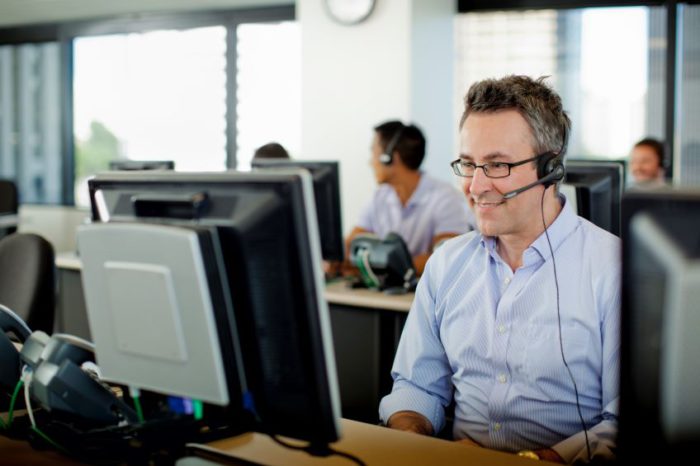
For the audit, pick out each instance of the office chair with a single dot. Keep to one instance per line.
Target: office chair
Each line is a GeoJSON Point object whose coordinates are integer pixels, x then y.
{"type": "Point", "coordinates": [8, 205]}
{"type": "Point", "coordinates": [27, 284]}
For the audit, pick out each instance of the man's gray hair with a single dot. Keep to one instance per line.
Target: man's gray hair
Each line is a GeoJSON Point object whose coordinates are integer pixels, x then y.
{"type": "Point", "coordinates": [535, 100]}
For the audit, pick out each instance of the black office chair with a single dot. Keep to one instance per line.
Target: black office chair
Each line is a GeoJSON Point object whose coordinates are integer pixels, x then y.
{"type": "Point", "coordinates": [8, 205]}
{"type": "Point", "coordinates": [27, 283]}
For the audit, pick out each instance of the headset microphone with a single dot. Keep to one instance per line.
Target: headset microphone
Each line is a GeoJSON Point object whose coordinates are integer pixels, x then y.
{"type": "Point", "coordinates": [556, 175]}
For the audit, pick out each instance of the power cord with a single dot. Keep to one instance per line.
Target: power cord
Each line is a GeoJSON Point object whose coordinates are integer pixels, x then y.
{"type": "Point", "coordinates": [318, 450]}
{"type": "Point", "coordinates": [7, 424]}
{"type": "Point", "coordinates": [27, 375]}
{"type": "Point", "coordinates": [561, 344]}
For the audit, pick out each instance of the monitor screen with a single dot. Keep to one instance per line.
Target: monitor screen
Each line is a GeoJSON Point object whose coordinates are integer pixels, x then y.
{"type": "Point", "coordinates": [134, 165]}
{"type": "Point", "coordinates": [599, 186]}
{"type": "Point", "coordinates": [327, 196]}
{"type": "Point", "coordinates": [268, 241]}
{"type": "Point", "coordinates": [660, 367]}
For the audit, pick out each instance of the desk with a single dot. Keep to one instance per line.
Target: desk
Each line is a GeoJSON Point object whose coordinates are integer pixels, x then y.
{"type": "Point", "coordinates": [20, 452]}
{"type": "Point", "coordinates": [376, 446]}
{"type": "Point", "coordinates": [366, 327]}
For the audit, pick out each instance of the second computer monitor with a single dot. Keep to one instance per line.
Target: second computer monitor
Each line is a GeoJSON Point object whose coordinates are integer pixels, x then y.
{"type": "Point", "coordinates": [139, 165]}
{"type": "Point", "coordinates": [327, 196]}
{"type": "Point", "coordinates": [660, 351]}
{"type": "Point", "coordinates": [599, 186]}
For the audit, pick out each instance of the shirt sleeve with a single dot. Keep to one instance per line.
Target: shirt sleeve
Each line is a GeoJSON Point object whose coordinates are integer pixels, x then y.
{"type": "Point", "coordinates": [366, 220]}
{"type": "Point", "coordinates": [421, 371]}
{"type": "Point", "coordinates": [452, 213]}
{"type": "Point", "coordinates": [602, 436]}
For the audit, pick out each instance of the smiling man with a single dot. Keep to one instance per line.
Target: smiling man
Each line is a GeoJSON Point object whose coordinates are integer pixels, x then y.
{"type": "Point", "coordinates": [518, 324]}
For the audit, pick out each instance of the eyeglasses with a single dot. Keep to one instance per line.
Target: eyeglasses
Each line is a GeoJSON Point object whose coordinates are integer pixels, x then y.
{"type": "Point", "coordinates": [492, 169]}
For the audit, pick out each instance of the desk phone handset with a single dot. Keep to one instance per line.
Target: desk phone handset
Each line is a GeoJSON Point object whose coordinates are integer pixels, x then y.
{"type": "Point", "coordinates": [59, 383]}
{"type": "Point", "coordinates": [10, 367]}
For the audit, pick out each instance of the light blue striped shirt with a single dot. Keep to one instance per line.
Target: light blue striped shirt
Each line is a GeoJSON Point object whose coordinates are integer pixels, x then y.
{"type": "Point", "coordinates": [434, 208]}
{"type": "Point", "coordinates": [489, 337]}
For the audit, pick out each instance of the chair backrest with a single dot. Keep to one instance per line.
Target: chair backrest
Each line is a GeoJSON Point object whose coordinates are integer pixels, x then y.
{"type": "Point", "coordinates": [8, 197]}
{"type": "Point", "coordinates": [27, 279]}
{"type": "Point", "coordinates": [9, 204]}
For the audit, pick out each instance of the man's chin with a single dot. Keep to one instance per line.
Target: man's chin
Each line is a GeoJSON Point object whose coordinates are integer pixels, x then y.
{"type": "Point", "coordinates": [487, 228]}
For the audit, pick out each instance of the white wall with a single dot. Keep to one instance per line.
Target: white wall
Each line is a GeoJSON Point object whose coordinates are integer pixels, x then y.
{"type": "Point", "coordinates": [432, 83]}
{"type": "Point", "coordinates": [58, 224]}
{"type": "Point", "coordinates": [395, 65]}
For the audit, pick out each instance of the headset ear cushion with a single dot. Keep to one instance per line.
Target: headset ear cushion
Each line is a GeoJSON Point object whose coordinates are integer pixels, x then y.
{"type": "Point", "coordinates": [545, 165]}
{"type": "Point", "coordinates": [385, 159]}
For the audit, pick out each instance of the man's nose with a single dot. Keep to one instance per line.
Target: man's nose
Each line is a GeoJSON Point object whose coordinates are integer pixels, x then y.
{"type": "Point", "coordinates": [480, 183]}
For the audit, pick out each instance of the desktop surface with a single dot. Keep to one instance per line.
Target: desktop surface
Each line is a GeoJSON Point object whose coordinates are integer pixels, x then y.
{"type": "Point", "coordinates": [339, 293]}
{"type": "Point", "coordinates": [375, 445]}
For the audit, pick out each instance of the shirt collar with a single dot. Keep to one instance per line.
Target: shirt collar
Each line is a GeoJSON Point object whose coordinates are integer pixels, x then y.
{"type": "Point", "coordinates": [565, 223]}
{"type": "Point", "coordinates": [418, 196]}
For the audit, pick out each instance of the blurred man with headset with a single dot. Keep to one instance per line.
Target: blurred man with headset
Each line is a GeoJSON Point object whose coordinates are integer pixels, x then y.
{"type": "Point", "coordinates": [421, 209]}
{"type": "Point", "coordinates": [518, 324]}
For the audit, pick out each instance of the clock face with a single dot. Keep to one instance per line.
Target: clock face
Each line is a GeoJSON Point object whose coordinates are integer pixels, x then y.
{"type": "Point", "coordinates": [349, 11]}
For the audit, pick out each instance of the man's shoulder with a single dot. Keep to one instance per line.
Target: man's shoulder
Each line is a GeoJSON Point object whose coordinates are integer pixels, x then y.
{"type": "Point", "coordinates": [598, 244]}
{"type": "Point", "coordinates": [436, 184]}
{"type": "Point", "coordinates": [597, 233]}
{"type": "Point", "coordinates": [464, 244]}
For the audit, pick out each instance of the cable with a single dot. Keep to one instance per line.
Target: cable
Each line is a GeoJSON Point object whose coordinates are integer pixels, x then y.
{"type": "Point", "coordinates": [368, 267]}
{"type": "Point", "coordinates": [11, 411]}
{"type": "Point", "coordinates": [561, 343]}
{"type": "Point", "coordinates": [27, 374]}
{"type": "Point", "coordinates": [316, 450]}
{"type": "Point", "coordinates": [366, 278]}
{"type": "Point", "coordinates": [75, 341]}
{"type": "Point", "coordinates": [135, 394]}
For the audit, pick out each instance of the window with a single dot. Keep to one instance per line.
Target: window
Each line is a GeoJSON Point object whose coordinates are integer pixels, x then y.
{"type": "Point", "coordinates": [688, 168]}
{"type": "Point", "coordinates": [30, 124]}
{"type": "Point", "coordinates": [152, 96]}
{"type": "Point", "coordinates": [201, 88]}
{"type": "Point", "coordinates": [269, 88]}
{"type": "Point", "coordinates": [604, 63]}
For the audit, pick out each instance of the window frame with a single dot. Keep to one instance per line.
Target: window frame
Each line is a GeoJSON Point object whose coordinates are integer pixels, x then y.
{"type": "Point", "coordinates": [672, 71]}
{"type": "Point", "coordinates": [64, 33]}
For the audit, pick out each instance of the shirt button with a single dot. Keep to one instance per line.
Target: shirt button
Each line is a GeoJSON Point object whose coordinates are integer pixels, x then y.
{"type": "Point", "coordinates": [497, 426]}
{"type": "Point", "coordinates": [501, 329]}
{"type": "Point", "coordinates": [506, 281]}
{"type": "Point", "coordinates": [502, 378]}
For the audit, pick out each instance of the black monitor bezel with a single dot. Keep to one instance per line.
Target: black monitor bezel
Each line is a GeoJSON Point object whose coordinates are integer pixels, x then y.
{"type": "Point", "coordinates": [141, 165]}
{"type": "Point", "coordinates": [613, 169]}
{"type": "Point", "coordinates": [637, 424]}
{"type": "Point", "coordinates": [332, 245]}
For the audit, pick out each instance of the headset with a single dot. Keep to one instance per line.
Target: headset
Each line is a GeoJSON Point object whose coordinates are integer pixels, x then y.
{"type": "Point", "coordinates": [387, 158]}
{"type": "Point", "coordinates": [550, 170]}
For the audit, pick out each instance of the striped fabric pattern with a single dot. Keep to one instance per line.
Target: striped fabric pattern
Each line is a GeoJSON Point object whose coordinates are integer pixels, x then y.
{"type": "Point", "coordinates": [490, 338]}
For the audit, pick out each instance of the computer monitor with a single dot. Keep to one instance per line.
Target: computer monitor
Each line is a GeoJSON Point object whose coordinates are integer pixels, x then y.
{"type": "Point", "coordinates": [268, 243]}
{"type": "Point", "coordinates": [139, 165]}
{"type": "Point", "coordinates": [327, 195]}
{"type": "Point", "coordinates": [660, 351]}
{"type": "Point", "coordinates": [599, 186]}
